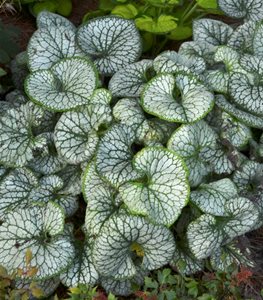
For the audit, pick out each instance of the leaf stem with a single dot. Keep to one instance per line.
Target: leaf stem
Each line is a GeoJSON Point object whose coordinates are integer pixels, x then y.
{"type": "Point", "coordinates": [189, 13]}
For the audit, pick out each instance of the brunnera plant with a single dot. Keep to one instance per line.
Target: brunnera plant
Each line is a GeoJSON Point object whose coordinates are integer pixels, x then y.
{"type": "Point", "coordinates": [167, 153]}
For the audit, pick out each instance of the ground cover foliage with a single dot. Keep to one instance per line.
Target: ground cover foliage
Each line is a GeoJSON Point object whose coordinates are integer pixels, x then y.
{"type": "Point", "coordinates": [166, 152]}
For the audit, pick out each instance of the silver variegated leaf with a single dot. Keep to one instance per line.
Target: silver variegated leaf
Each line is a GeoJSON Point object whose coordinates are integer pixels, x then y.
{"type": "Point", "coordinates": [46, 161]}
{"type": "Point", "coordinates": [195, 51]}
{"type": "Point", "coordinates": [130, 81]}
{"type": "Point", "coordinates": [51, 188]}
{"type": "Point", "coordinates": [165, 191]}
{"type": "Point", "coordinates": [113, 43]}
{"type": "Point", "coordinates": [257, 41]}
{"type": "Point", "coordinates": [39, 229]}
{"type": "Point", "coordinates": [100, 198]}
{"type": "Point", "coordinates": [180, 98]}
{"type": "Point", "coordinates": [82, 270]}
{"type": "Point", "coordinates": [185, 262]}
{"type": "Point", "coordinates": [211, 32]}
{"type": "Point", "coordinates": [219, 160]}
{"type": "Point", "coordinates": [237, 133]}
{"type": "Point", "coordinates": [123, 287]}
{"type": "Point", "coordinates": [15, 189]}
{"type": "Point", "coordinates": [17, 141]}
{"type": "Point", "coordinates": [243, 215]}
{"type": "Point", "coordinates": [66, 85]}
{"type": "Point", "coordinates": [218, 79]}
{"type": "Point", "coordinates": [123, 239]}
{"type": "Point", "coordinates": [128, 111]}
{"type": "Point", "coordinates": [242, 38]}
{"type": "Point", "coordinates": [71, 176]}
{"type": "Point", "coordinates": [172, 62]}
{"type": "Point", "coordinates": [191, 142]}
{"type": "Point", "coordinates": [227, 255]}
{"type": "Point", "coordinates": [76, 136]}
{"type": "Point", "coordinates": [252, 64]}
{"type": "Point", "coordinates": [243, 116]}
{"type": "Point", "coordinates": [247, 178]}
{"type": "Point", "coordinates": [245, 94]}
{"type": "Point", "coordinates": [154, 132]}
{"type": "Point", "coordinates": [48, 19]}
{"type": "Point", "coordinates": [204, 236]}
{"type": "Point", "coordinates": [247, 9]}
{"type": "Point", "coordinates": [212, 197]}
{"type": "Point", "coordinates": [48, 45]}
{"type": "Point", "coordinates": [114, 155]}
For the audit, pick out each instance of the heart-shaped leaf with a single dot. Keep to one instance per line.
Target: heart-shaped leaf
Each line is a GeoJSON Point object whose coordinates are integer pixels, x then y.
{"type": "Point", "coordinates": [129, 81]}
{"type": "Point", "coordinates": [48, 19]}
{"type": "Point", "coordinates": [71, 177]}
{"type": "Point", "coordinates": [82, 270]}
{"type": "Point", "coordinates": [46, 161]}
{"type": "Point", "coordinates": [114, 155]}
{"type": "Point", "coordinates": [211, 32]}
{"type": "Point", "coordinates": [66, 85]}
{"type": "Point", "coordinates": [204, 236]}
{"type": "Point", "coordinates": [15, 189]}
{"type": "Point", "coordinates": [227, 255]}
{"type": "Point", "coordinates": [52, 188]}
{"type": "Point", "coordinates": [243, 216]}
{"type": "Point", "coordinates": [243, 116]}
{"type": "Point", "coordinates": [247, 9]}
{"type": "Point", "coordinates": [191, 142]}
{"type": "Point", "coordinates": [248, 96]}
{"type": "Point", "coordinates": [48, 45]}
{"type": "Point", "coordinates": [237, 133]}
{"type": "Point", "coordinates": [128, 111]}
{"type": "Point", "coordinates": [123, 239]}
{"type": "Point", "coordinates": [248, 176]}
{"type": "Point", "coordinates": [185, 262]}
{"type": "Point", "coordinates": [39, 229]}
{"type": "Point", "coordinates": [211, 198]}
{"type": "Point", "coordinates": [242, 38]}
{"type": "Point", "coordinates": [165, 191]}
{"type": "Point", "coordinates": [100, 198]}
{"type": "Point", "coordinates": [17, 141]}
{"type": "Point", "coordinates": [257, 41]}
{"type": "Point", "coordinates": [172, 62]}
{"type": "Point", "coordinates": [218, 79]}
{"type": "Point", "coordinates": [113, 43]}
{"type": "Point", "coordinates": [76, 132]}
{"type": "Point", "coordinates": [180, 98]}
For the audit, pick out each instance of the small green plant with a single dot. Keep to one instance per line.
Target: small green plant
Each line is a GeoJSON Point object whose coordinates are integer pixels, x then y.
{"type": "Point", "coordinates": [84, 292]}
{"type": "Point", "coordinates": [167, 285]}
{"type": "Point", "coordinates": [158, 20]}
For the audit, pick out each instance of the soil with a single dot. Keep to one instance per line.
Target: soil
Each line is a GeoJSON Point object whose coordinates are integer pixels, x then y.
{"type": "Point", "coordinates": [27, 24]}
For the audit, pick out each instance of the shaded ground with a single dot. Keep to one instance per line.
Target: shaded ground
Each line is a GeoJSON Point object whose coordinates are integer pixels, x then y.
{"type": "Point", "coordinates": [26, 22]}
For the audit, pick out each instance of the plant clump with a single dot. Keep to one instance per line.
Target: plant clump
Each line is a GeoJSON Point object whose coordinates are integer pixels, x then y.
{"type": "Point", "coordinates": [167, 153]}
